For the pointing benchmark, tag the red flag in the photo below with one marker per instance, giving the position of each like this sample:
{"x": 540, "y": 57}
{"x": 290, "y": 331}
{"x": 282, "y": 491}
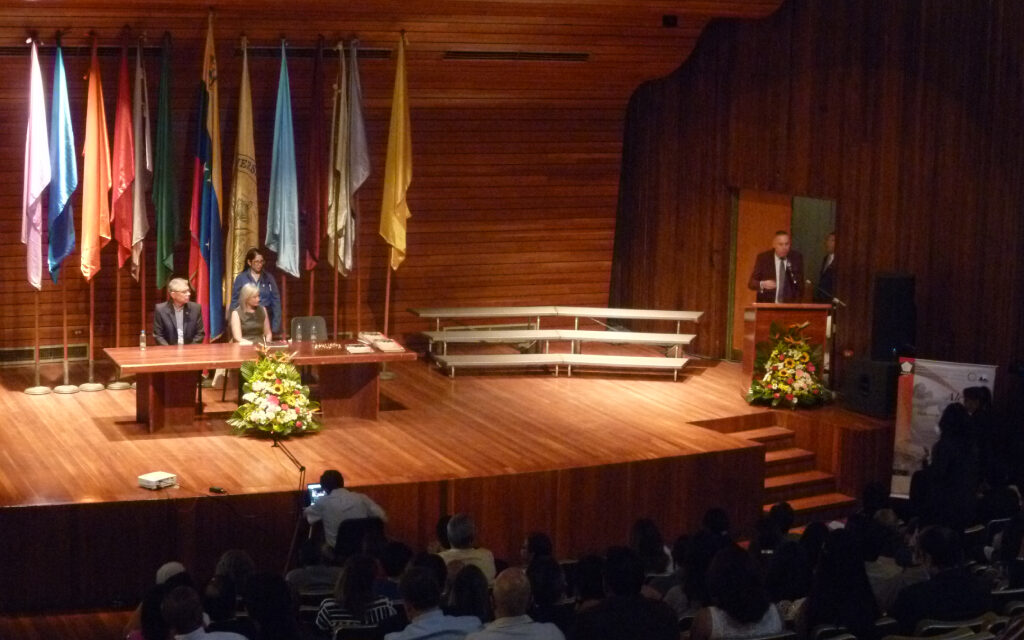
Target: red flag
{"x": 122, "y": 206}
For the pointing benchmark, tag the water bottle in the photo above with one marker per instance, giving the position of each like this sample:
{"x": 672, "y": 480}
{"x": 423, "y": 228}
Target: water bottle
{"x": 312, "y": 334}
{"x": 142, "y": 340}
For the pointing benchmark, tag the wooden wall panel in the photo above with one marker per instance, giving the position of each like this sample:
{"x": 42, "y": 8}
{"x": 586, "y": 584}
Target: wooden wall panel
{"x": 909, "y": 115}
{"x": 516, "y": 162}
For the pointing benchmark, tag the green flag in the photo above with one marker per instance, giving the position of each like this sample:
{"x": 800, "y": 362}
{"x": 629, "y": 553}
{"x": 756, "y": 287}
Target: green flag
{"x": 165, "y": 192}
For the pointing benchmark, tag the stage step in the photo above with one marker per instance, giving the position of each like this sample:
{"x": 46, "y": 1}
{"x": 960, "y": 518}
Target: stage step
{"x": 773, "y": 438}
{"x": 785, "y": 461}
{"x": 824, "y": 507}
{"x": 798, "y": 485}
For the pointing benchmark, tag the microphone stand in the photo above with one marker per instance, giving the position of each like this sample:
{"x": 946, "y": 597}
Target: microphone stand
{"x": 278, "y": 444}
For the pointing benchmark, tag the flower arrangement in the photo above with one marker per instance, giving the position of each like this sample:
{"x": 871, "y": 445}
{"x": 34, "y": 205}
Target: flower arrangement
{"x": 276, "y": 403}
{"x": 786, "y": 370}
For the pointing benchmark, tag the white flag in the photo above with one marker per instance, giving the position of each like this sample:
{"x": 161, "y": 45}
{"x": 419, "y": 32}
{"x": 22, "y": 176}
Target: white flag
{"x": 143, "y": 161}
{"x": 37, "y": 174}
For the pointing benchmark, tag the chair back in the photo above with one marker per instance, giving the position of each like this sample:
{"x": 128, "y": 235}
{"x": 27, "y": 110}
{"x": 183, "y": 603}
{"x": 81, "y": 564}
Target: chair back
{"x": 304, "y": 327}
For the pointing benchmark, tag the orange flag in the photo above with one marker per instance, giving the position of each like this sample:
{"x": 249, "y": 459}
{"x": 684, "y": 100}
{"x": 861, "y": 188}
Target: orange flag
{"x": 122, "y": 203}
{"x": 96, "y": 185}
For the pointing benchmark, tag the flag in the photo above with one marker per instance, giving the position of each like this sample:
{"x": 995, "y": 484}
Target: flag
{"x": 283, "y": 210}
{"x": 37, "y": 173}
{"x": 313, "y": 186}
{"x": 96, "y": 183}
{"x": 350, "y": 158}
{"x": 394, "y": 210}
{"x": 165, "y": 185}
{"x": 205, "y": 264}
{"x": 143, "y": 162}
{"x": 123, "y": 167}
{"x": 244, "y": 223}
{"x": 63, "y": 172}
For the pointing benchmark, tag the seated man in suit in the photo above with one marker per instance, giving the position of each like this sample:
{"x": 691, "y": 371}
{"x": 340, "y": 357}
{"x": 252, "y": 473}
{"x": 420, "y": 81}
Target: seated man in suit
{"x": 778, "y": 273}
{"x": 178, "y": 321}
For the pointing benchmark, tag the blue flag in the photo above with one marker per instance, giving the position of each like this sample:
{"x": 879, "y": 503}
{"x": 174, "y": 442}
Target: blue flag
{"x": 283, "y": 210}
{"x": 63, "y": 172}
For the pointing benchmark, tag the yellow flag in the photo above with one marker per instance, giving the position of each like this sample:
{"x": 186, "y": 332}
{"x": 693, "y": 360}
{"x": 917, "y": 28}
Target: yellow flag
{"x": 394, "y": 210}
{"x": 243, "y": 224}
{"x": 97, "y": 179}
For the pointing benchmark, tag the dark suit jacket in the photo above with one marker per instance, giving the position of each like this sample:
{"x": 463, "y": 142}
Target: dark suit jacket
{"x": 826, "y": 282}
{"x": 764, "y": 269}
{"x": 166, "y": 332}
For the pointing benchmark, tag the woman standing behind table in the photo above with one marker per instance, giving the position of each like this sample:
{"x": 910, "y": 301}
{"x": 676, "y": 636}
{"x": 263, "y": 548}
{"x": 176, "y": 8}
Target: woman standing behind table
{"x": 249, "y": 321}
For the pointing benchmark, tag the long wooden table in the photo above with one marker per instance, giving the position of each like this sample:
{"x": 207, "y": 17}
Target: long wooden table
{"x": 166, "y": 377}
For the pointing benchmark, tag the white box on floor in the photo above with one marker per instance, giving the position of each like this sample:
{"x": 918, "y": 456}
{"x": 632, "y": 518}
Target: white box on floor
{"x": 157, "y": 480}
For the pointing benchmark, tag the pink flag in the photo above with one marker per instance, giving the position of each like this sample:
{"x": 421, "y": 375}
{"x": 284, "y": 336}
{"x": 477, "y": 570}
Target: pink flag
{"x": 37, "y": 174}
{"x": 122, "y": 205}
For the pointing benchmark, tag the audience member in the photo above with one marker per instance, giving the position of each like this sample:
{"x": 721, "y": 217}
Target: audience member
{"x": 625, "y": 614}
{"x": 469, "y": 595}
{"x": 394, "y": 559}
{"x": 739, "y": 606}
{"x": 645, "y": 539}
{"x": 550, "y": 603}
{"x": 238, "y": 565}
{"x": 841, "y": 593}
{"x": 675, "y": 597}
{"x": 313, "y": 572}
{"x": 441, "y": 535}
{"x": 355, "y": 604}
{"x": 788, "y": 577}
{"x": 462, "y": 537}
{"x": 269, "y": 603}
{"x": 703, "y": 547}
{"x": 422, "y": 596}
{"x": 589, "y": 587}
{"x": 881, "y": 544}
{"x": 220, "y": 604}
{"x": 951, "y": 593}
{"x": 813, "y": 539}
{"x": 146, "y": 623}
{"x": 435, "y": 564}
{"x": 511, "y": 602}
{"x": 716, "y": 522}
{"x": 951, "y": 480}
{"x": 183, "y": 613}
{"x": 536, "y": 544}
{"x": 339, "y": 504}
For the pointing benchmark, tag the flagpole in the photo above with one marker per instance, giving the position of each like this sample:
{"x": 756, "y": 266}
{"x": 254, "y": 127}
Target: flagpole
{"x": 37, "y": 389}
{"x": 355, "y": 262}
{"x": 67, "y": 387}
{"x": 337, "y": 264}
{"x": 387, "y": 296}
{"x": 284, "y": 303}
{"x": 118, "y": 384}
{"x": 312, "y": 279}
{"x": 92, "y": 385}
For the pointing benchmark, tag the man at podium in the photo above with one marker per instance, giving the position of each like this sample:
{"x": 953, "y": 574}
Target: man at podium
{"x": 778, "y": 274}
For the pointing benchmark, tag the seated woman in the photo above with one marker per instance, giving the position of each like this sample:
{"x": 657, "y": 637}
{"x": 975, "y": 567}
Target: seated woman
{"x": 739, "y": 603}
{"x": 354, "y": 603}
{"x": 249, "y": 321}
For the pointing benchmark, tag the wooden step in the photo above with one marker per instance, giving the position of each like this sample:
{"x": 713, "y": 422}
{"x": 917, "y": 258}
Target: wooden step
{"x": 784, "y": 461}
{"x": 823, "y": 507}
{"x": 798, "y": 485}
{"x": 772, "y": 438}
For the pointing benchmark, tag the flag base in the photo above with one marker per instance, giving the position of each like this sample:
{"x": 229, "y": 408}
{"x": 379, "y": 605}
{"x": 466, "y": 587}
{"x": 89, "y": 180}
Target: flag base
{"x": 119, "y": 385}
{"x": 39, "y": 390}
{"x": 65, "y": 389}
{"x": 92, "y": 386}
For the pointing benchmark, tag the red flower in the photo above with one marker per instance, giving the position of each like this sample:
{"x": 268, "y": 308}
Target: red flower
{"x": 815, "y": 390}
{"x": 775, "y": 395}
{"x": 284, "y": 406}
{"x": 298, "y": 424}
{"x": 789, "y": 396}
{"x": 789, "y": 381}
{"x": 810, "y": 368}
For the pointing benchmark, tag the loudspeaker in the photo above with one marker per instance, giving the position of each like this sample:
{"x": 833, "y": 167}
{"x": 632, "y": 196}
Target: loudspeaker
{"x": 869, "y": 387}
{"x": 894, "y": 316}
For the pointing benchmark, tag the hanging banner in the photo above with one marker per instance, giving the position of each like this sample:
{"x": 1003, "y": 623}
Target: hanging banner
{"x": 924, "y": 389}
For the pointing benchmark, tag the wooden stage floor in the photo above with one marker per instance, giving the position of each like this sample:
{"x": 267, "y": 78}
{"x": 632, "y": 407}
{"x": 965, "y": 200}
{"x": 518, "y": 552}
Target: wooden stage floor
{"x": 579, "y": 458}
{"x": 86, "y": 447}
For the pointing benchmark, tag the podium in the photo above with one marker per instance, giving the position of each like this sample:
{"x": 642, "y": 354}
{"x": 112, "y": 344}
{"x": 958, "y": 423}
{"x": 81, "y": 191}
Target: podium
{"x": 757, "y": 323}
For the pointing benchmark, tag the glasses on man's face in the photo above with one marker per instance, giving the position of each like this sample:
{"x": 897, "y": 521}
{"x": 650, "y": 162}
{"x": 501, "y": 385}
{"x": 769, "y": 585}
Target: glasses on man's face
{"x": 184, "y": 292}
{"x": 256, "y": 261}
